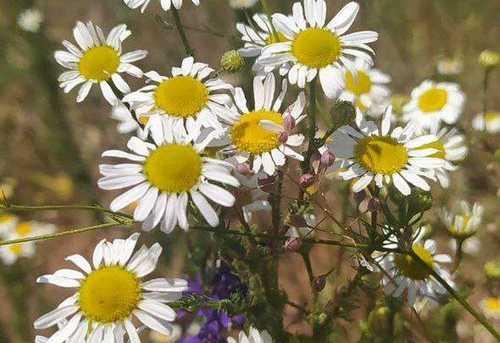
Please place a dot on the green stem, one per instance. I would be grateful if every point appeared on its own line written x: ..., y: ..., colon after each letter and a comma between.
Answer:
x: 182, y: 33
x: 20, y: 208
x: 306, y: 164
x: 485, y: 89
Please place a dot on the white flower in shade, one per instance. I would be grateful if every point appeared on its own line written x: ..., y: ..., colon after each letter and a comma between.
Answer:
x: 250, y: 196
x: 259, y: 134
x: 366, y: 88
x: 433, y: 103
x: 240, y: 4
x: 18, y: 230
x: 450, y: 66
x: 111, y: 293
x: 97, y: 60
x: 489, y: 122
x: 254, y: 336
x: 165, y: 4
x: 451, y: 148
x: 315, y: 47
x: 258, y: 35
x: 8, y: 223
x: 190, y: 96
x: 471, y: 245
x: 30, y: 20
x: 166, y: 176
x: 127, y: 122
x: 403, y: 275
x: 465, y: 222
x: 383, y: 155
x: 491, y: 307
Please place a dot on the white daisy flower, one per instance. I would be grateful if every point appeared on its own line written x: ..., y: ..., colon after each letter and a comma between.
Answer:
x: 432, y: 103
x: 127, y: 122
x: 491, y: 307
x: 8, y: 223
x: 166, y: 176
x: 384, y: 155
x: 254, y: 336
x: 18, y: 230
x: 97, y: 60
x: 366, y: 89
x: 190, y: 96
x: 259, y: 134
x: 451, y: 148
x: 465, y: 222
x: 30, y: 20
x: 111, y: 294
x: 316, y: 47
x: 241, y: 4
x: 403, y: 274
x: 489, y: 122
x: 165, y: 4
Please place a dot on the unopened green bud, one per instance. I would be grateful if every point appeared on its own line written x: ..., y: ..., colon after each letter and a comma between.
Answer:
x: 232, y: 61
x: 398, y: 102
x: 489, y: 59
x: 343, y: 113
x: 420, y: 201
x: 492, y: 270
x: 378, y: 320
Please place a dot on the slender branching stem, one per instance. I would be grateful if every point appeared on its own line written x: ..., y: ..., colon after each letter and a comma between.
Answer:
x: 21, y: 208
x: 182, y: 33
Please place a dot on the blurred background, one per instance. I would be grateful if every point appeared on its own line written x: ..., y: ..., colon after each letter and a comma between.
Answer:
x: 50, y: 146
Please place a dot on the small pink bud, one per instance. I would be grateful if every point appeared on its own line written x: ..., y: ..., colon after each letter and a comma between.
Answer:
x: 293, y: 244
x: 283, y: 137
x: 319, y: 283
x: 373, y: 205
x: 327, y: 158
x: 244, y: 169
x: 289, y: 123
x: 306, y: 180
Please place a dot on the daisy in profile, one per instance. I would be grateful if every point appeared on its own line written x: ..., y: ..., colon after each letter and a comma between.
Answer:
x: 110, y: 293
x: 370, y: 154
x: 167, y: 177
x: 491, y: 307
x: 165, y: 4
x: 315, y: 47
x: 489, y: 122
x: 97, y: 60
x: 191, y: 96
x: 433, y: 103
x: 465, y: 222
x: 450, y: 146
x: 406, y: 276
x: 366, y: 88
x: 262, y: 136
x: 242, y: 4
x: 126, y: 121
x: 18, y: 230
x: 254, y: 336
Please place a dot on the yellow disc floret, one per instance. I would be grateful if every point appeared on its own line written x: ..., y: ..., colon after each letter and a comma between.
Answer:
x: 181, y: 96
x: 359, y: 83
x: 433, y: 100
x: 249, y: 136
x: 412, y: 268
x: 381, y: 155
x: 316, y: 48
x: 24, y: 229
x: 109, y: 294
x: 99, y: 63
x: 174, y: 168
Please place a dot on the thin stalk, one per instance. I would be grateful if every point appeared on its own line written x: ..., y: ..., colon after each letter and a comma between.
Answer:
x: 311, y: 133
x: 182, y: 33
x: 267, y: 11
x: 486, y: 79
x: 20, y: 208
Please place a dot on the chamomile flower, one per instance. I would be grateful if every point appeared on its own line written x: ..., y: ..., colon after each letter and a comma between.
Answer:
x: 489, y: 122
x: 451, y: 148
x: 259, y: 134
x: 314, y: 47
x: 18, y: 229
x: 8, y: 223
x: 403, y: 275
x: 165, y: 4
x: 491, y: 307
x: 127, y: 122
x: 97, y: 60
x: 254, y: 336
x: 191, y: 96
x: 30, y: 20
x: 366, y: 88
x: 433, y: 103
x: 241, y: 4
x: 465, y: 222
x: 111, y: 293
x: 166, y: 176
x: 383, y: 155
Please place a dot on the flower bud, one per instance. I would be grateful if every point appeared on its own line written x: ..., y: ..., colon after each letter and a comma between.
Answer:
x: 297, y: 221
x: 306, y: 180
x: 359, y: 196
x: 492, y: 270
x: 327, y: 159
x: 289, y: 123
x: 244, y: 169
x: 489, y: 59
x: 343, y: 113
x: 232, y: 61
x: 283, y: 137
x: 293, y: 244
x: 319, y: 283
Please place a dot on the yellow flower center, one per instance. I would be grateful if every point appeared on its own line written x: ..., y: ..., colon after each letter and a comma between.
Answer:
x: 433, y: 100
x: 412, y: 268
x: 277, y: 37
x: 381, y: 155
x: 439, y: 146
x: 6, y: 218
x: 24, y: 229
x: 173, y: 168
x: 99, y: 63
x: 491, y: 117
x: 492, y: 304
x: 249, y: 136
x: 466, y: 231
x: 181, y: 96
x: 109, y: 294
x: 316, y: 48
x: 358, y: 84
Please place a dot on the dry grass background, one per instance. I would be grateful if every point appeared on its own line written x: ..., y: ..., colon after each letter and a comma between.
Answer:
x: 37, y: 153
